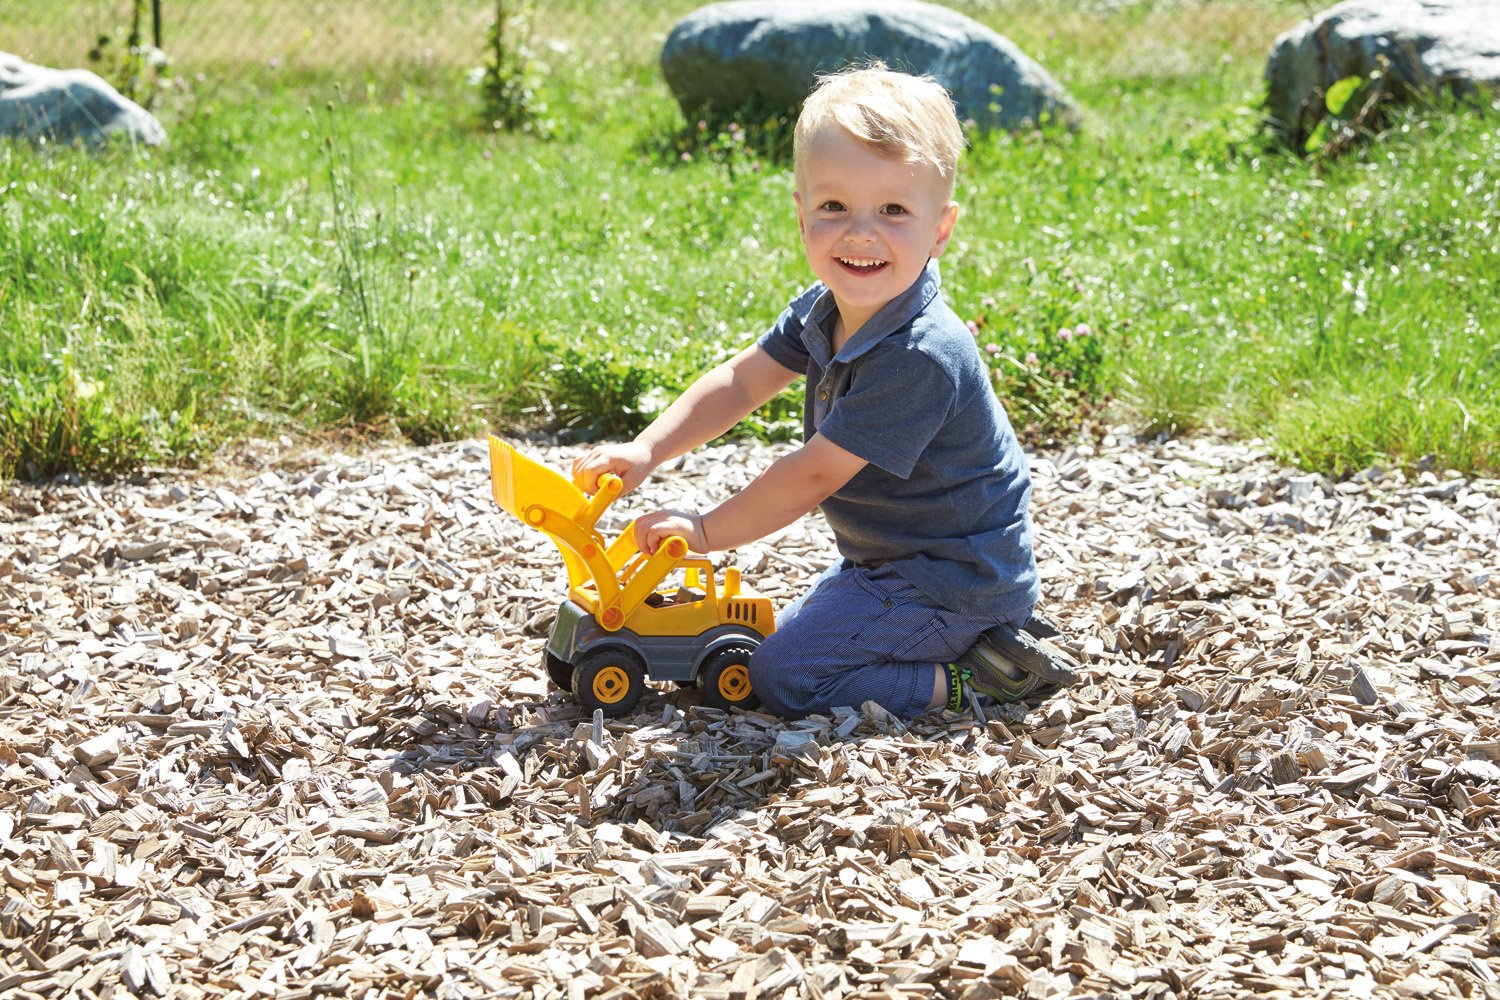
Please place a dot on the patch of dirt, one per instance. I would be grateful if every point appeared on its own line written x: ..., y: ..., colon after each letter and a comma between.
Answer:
x: 288, y: 733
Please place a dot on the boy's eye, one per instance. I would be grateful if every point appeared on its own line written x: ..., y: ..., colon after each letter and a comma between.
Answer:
x: 833, y: 206
x: 894, y: 210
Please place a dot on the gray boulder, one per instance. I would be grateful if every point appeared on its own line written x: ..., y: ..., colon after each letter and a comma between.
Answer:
x: 764, y: 56
x: 1430, y: 44
x: 64, y: 106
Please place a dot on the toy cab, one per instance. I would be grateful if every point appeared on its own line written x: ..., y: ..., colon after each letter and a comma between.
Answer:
x: 629, y: 617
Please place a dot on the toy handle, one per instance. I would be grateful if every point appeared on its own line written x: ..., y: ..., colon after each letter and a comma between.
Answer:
x: 610, y: 486
x: 608, y: 482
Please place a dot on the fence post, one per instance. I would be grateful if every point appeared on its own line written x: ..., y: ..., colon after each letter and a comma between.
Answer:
x: 156, y: 23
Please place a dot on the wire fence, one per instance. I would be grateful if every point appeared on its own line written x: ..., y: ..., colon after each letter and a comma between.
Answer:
x: 324, y: 35
x: 353, y: 40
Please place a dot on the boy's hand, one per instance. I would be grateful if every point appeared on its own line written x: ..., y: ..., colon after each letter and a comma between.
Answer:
x: 631, y: 462
x: 656, y: 527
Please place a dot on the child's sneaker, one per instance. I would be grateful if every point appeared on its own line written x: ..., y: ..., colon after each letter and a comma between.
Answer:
x: 1041, y: 627
x: 1010, y: 664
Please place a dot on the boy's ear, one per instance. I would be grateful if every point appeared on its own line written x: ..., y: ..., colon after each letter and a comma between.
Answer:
x: 946, y: 222
x: 801, y: 225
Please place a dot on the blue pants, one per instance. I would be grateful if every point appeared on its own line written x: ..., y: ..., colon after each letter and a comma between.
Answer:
x: 859, y: 635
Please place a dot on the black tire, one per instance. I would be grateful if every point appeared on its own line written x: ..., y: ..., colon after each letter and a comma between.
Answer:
x: 724, y: 681
x: 559, y: 670
x: 609, y: 680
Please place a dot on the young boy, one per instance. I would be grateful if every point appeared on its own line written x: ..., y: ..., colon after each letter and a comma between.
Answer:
x: 907, y: 451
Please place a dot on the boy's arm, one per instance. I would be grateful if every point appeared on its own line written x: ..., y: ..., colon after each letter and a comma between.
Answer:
x: 707, y: 409
x: 794, y: 485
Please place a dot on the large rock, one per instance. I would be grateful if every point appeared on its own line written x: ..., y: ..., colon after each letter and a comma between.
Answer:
x: 63, y: 106
x: 764, y: 56
x: 1430, y: 44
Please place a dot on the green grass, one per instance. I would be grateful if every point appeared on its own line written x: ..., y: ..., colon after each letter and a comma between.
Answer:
x: 153, y: 306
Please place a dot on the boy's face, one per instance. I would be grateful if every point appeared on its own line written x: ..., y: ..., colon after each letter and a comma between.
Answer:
x: 868, y: 224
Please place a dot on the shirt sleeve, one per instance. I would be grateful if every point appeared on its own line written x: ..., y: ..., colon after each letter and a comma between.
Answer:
x: 896, y: 403
x: 783, y: 342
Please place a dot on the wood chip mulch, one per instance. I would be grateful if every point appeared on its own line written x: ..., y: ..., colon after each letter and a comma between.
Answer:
x: 287, y: 734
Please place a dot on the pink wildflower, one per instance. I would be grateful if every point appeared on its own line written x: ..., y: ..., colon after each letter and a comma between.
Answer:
x: 973, y: 327
x: 1032, y: 360
x: 992, y: 349
x: 1065, y: 334
x: 1082, y: 330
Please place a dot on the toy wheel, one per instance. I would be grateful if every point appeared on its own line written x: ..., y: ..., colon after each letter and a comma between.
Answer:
x: 611, y: 680
x: 560, y: 670
x: 724, y: 680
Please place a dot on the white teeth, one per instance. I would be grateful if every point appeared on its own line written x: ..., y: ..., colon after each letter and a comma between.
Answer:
x: 861, y: 261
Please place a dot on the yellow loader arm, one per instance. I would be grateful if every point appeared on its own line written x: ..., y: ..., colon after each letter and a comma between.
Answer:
x: 610, y: 581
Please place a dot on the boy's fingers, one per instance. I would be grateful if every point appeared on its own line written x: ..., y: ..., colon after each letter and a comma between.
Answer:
x: 587, y: 469
x: 658, y: 533
x: 655, y: 528
x: 643, y: 539
x: 580, y: 471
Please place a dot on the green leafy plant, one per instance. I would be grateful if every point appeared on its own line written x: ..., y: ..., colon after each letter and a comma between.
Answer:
x: 744, y: 142
x: 138, y: 70
x: 1047, y: 360
x: 598, y: 394
x: 433, y: 410
x: 1351, y: 108
x: 1223, y: 134
x: 729, y: 147
x: 55, y: 420
x: 510, y: 86
x: 778, y: 420
x: 378, y: 376
x: 376, y: 362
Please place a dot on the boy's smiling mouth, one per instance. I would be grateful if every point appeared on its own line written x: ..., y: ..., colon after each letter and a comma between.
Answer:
x: 863, y: 265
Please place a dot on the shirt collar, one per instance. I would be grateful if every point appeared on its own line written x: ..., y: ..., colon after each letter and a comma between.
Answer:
x: 892, y: 316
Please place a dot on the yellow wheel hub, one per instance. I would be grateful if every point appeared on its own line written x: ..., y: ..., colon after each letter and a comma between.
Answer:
x: 611, y: 685
x: 734, y: 682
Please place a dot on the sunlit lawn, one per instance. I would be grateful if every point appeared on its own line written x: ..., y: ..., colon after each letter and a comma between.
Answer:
x: 152, y: 306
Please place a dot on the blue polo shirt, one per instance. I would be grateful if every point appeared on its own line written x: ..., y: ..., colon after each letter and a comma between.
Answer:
x: 943, y: 500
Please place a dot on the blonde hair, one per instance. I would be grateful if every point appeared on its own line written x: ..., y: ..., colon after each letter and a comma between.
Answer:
x: 910, y: 119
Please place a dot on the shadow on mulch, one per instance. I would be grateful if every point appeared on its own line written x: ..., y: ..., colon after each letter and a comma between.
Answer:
x: 673, y: 766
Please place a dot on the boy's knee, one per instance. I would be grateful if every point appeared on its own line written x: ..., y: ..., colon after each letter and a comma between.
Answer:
x: 782, y: 689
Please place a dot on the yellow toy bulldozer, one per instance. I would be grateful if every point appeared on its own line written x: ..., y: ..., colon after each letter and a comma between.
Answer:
x: 621, y: 623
